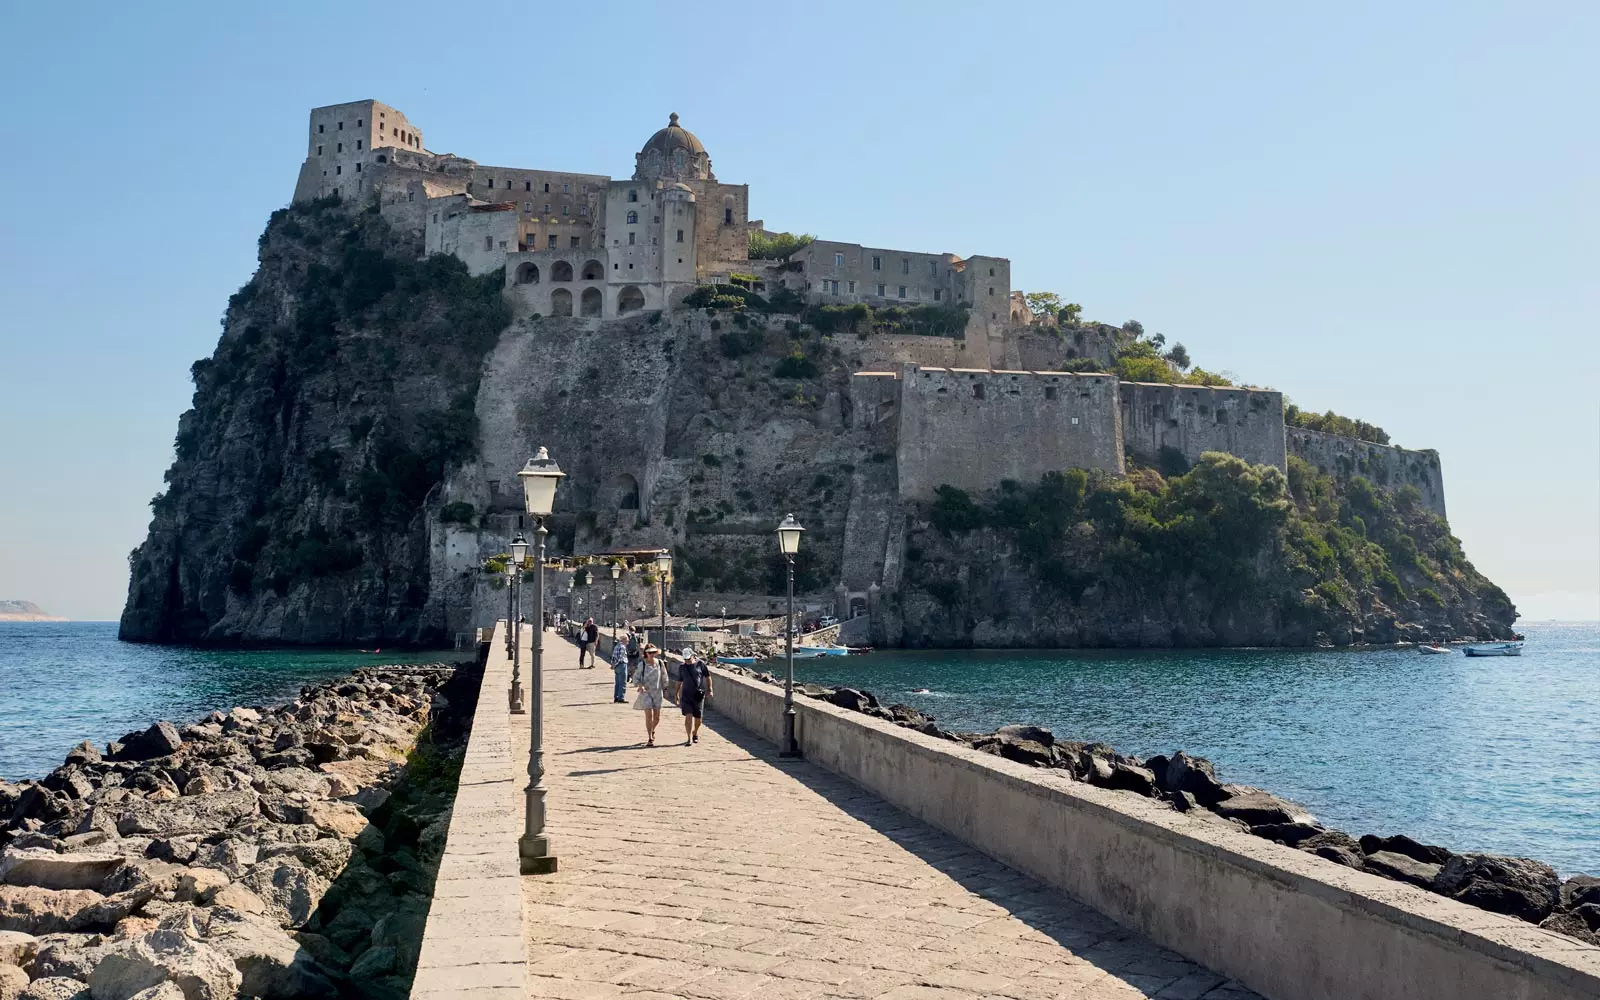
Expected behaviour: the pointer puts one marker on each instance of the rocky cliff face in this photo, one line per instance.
(341, 389)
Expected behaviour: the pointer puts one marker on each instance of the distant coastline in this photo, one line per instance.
(25, 611)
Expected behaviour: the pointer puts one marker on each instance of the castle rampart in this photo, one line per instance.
(1194, 419)
(1385, 465)
(973, 428)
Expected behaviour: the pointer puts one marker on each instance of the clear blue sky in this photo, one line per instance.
(1385, 209)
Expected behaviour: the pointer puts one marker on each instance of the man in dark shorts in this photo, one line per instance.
(588, 636)
(694, 687)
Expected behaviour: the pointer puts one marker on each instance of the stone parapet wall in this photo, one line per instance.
(1385, 465)
(1282, 922)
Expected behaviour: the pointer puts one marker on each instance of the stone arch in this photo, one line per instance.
(527, 273)
(561, 302)
(561, 270)
(593, 270)
(590, 302)
(858, 606)
(624, 491)
(630, 299)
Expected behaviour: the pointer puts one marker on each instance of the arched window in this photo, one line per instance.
(527, 274)
(589, 302)
(679, 160)
(562, 271)
(593, 271)
(630, 299)
(633, 218)
(561, 302)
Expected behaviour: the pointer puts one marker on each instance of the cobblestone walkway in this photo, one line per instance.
(716, 871)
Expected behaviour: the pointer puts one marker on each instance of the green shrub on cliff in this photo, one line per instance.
(1333, 423)
(777, 246)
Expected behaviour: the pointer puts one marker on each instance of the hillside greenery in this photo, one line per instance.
(777, 246)
(1321, 548)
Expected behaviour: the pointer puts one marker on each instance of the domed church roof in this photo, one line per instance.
(673, 137)
(673, 152)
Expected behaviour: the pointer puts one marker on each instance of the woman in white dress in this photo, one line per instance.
(651, 679)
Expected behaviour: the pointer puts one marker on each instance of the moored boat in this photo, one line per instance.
(1495, 649)
(1427, 648)
(743, 661)
(821, 650)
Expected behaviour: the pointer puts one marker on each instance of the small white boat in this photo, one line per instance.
(1427, 648)
(822, 650)
(1495, 649)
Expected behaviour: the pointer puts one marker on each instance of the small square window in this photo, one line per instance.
(902, 291)
(566, 189)
(358, 168)
(631, 241)
(319, 150)
(877, 263)
(488, 242)
(1050, 393)
(937, 294)
(338, 147)
(577, 241)
(555, 241)
(838, 261)
(905, 266)
(1074, 421)
(358, 123)
(852, 288)
(880, 288)
(341, 126)
(527, 185)
(680, 240)
(338, 170)
(321, 129)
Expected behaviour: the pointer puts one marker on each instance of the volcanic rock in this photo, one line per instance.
(1402, 868)
(200, 971)
(49, 870)
(56, 988)
(1256, 808)
(1519, 887)
(1400, 844)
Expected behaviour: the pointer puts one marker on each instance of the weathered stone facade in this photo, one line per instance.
(1385, 465)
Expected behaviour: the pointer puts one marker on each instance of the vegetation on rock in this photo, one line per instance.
(777, 246)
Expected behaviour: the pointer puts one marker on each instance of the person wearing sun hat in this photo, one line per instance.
(651, 680)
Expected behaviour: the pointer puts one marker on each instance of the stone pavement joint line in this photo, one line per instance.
(715, 872)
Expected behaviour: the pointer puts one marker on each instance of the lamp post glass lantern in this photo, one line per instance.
(789, 544)
(539, 480)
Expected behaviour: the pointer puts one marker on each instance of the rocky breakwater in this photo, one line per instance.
(1518, 887)
(272, 853)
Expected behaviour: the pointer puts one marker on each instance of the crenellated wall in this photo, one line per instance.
(1196, 419)
(1385, 465)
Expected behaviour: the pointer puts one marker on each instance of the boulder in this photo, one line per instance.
(141, 872)
(190, 814)
(1331, 838)
(1124, 777)
(1025, 751)
(1402, 868)
(48, 911)
(340, 785)
(1401, 844)
(1572, 925)
(1579, 889)
(237, 897)
(200, 971)
(850, 698)
(1340, 855)
(1518, 887)
(160, 991)
(905, 715)
(13, 981)
(200, 883)
(296, 779)
(160, 740)
(1256, 808)
(1590, 912)
(231, 857)
(68, 956)
(17, 948)
(375, 961)
(271, 964)
(1291, 834)
(327, 857)
(338, 818)
(56, 988)
(1184, 801)
(1194, 775)
(290, 890)
(84, 753)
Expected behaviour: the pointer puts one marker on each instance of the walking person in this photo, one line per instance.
(694, 687)
(588, 641)
(635, 651)
(650, 679)
(619, 671)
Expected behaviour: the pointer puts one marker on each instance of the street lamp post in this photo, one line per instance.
(663, 567)
(616, 607)
(519, 553)
(789, 543)
(539, 478)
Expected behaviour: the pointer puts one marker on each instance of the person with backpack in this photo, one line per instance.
(634, 652)
(619, 671)
(694, 687)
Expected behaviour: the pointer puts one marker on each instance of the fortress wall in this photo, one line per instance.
(890, 351)
(1197, 419)
(971, 429)
(1385, 465)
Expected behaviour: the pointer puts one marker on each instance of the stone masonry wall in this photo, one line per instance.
(971, 429)
(1385, 465)
(1197, 419)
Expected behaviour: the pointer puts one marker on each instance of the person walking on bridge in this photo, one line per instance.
(694, 687)
(651, 681)
(619, 671)
(588, 639)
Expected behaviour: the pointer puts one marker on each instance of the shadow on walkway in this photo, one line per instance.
(1089, 935)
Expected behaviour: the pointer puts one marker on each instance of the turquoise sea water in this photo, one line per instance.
(63, 682)
(1494, 754)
